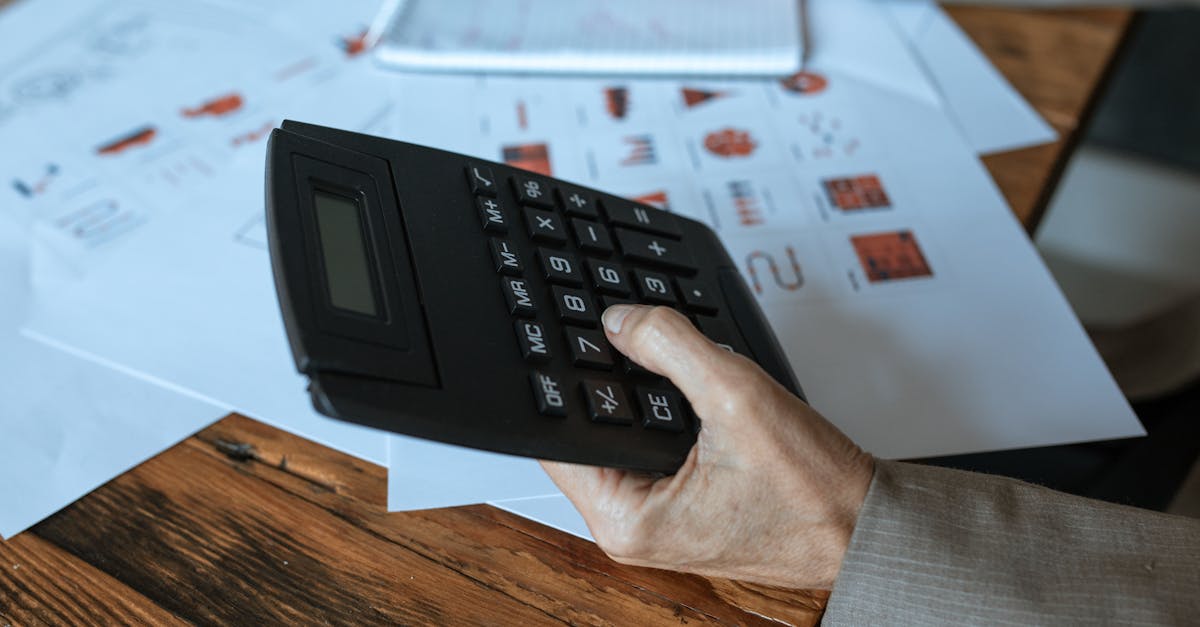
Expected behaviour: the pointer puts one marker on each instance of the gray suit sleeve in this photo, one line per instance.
(939, 546)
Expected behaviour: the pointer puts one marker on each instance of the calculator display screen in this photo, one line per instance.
(344, 249)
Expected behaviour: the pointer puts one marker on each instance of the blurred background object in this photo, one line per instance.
(1122, 238)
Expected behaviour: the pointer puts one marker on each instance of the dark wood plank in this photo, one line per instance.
(533, 563)
(1058, 60)
(214, 545)
(40, 584)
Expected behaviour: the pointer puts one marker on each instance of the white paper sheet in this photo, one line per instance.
(990, 113)
(188, 196)
(974, 350)
(68, 425)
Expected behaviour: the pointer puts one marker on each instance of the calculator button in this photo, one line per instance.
(505, 258)
(589, 349)
(575, 306)
(609, 301)
(545, 226)
(548, 392)
(481, 179)
(516, 294)
(592, 236)
(653, 249)
(533, 191)
(532, 337)
(491, 214)
(606, 402)
(560, 268)
(636, 216)
(697, 296)
(654, 287)
(724, 334)
(608, 277)
(661, 409)
(578, 202)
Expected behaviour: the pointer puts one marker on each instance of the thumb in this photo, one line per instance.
(663, 341)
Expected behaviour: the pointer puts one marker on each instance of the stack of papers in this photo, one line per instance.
(914, 309)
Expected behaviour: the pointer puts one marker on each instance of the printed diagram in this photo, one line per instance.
(826, 137)
(745, 203)
(217, 107)
(730, 143)
(856, 193)
(641, 150)
(532, 157)
(49, 85)
(805, 83)
(616, 102)
(890, 256)
(693, 97)
(789, 278)
(37, 186)
(137, 138)
(98, 222)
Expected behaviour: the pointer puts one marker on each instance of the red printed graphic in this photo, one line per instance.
(858, 192)
(890, 256)
(789, 282)
(616, 102)
(730, 142)
(217, 107)
(807, 83)
(253, 136)
(641, 150)
(696, 97)
(532, 157)
(139, 137)
(657, 199)
(354, 45)
(745, 202)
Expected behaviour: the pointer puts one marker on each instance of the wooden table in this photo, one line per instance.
(244, 523)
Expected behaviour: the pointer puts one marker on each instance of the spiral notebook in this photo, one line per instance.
(639, 37)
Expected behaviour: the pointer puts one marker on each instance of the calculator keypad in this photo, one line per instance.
(587, 254)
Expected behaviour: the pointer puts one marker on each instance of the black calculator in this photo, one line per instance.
(442, 296)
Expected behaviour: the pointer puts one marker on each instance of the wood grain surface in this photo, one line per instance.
(243, 523)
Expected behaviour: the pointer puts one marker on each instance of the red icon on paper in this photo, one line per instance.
(891, 256)
(807, 83)
(217, 107)
(657, 199)
(532, 157)
(857, 192)
(354, 45)
(696, 97)
(788, 282)
(730, 142)
(616, 102)
(139, 137)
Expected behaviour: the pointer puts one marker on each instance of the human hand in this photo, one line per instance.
(769, 494)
